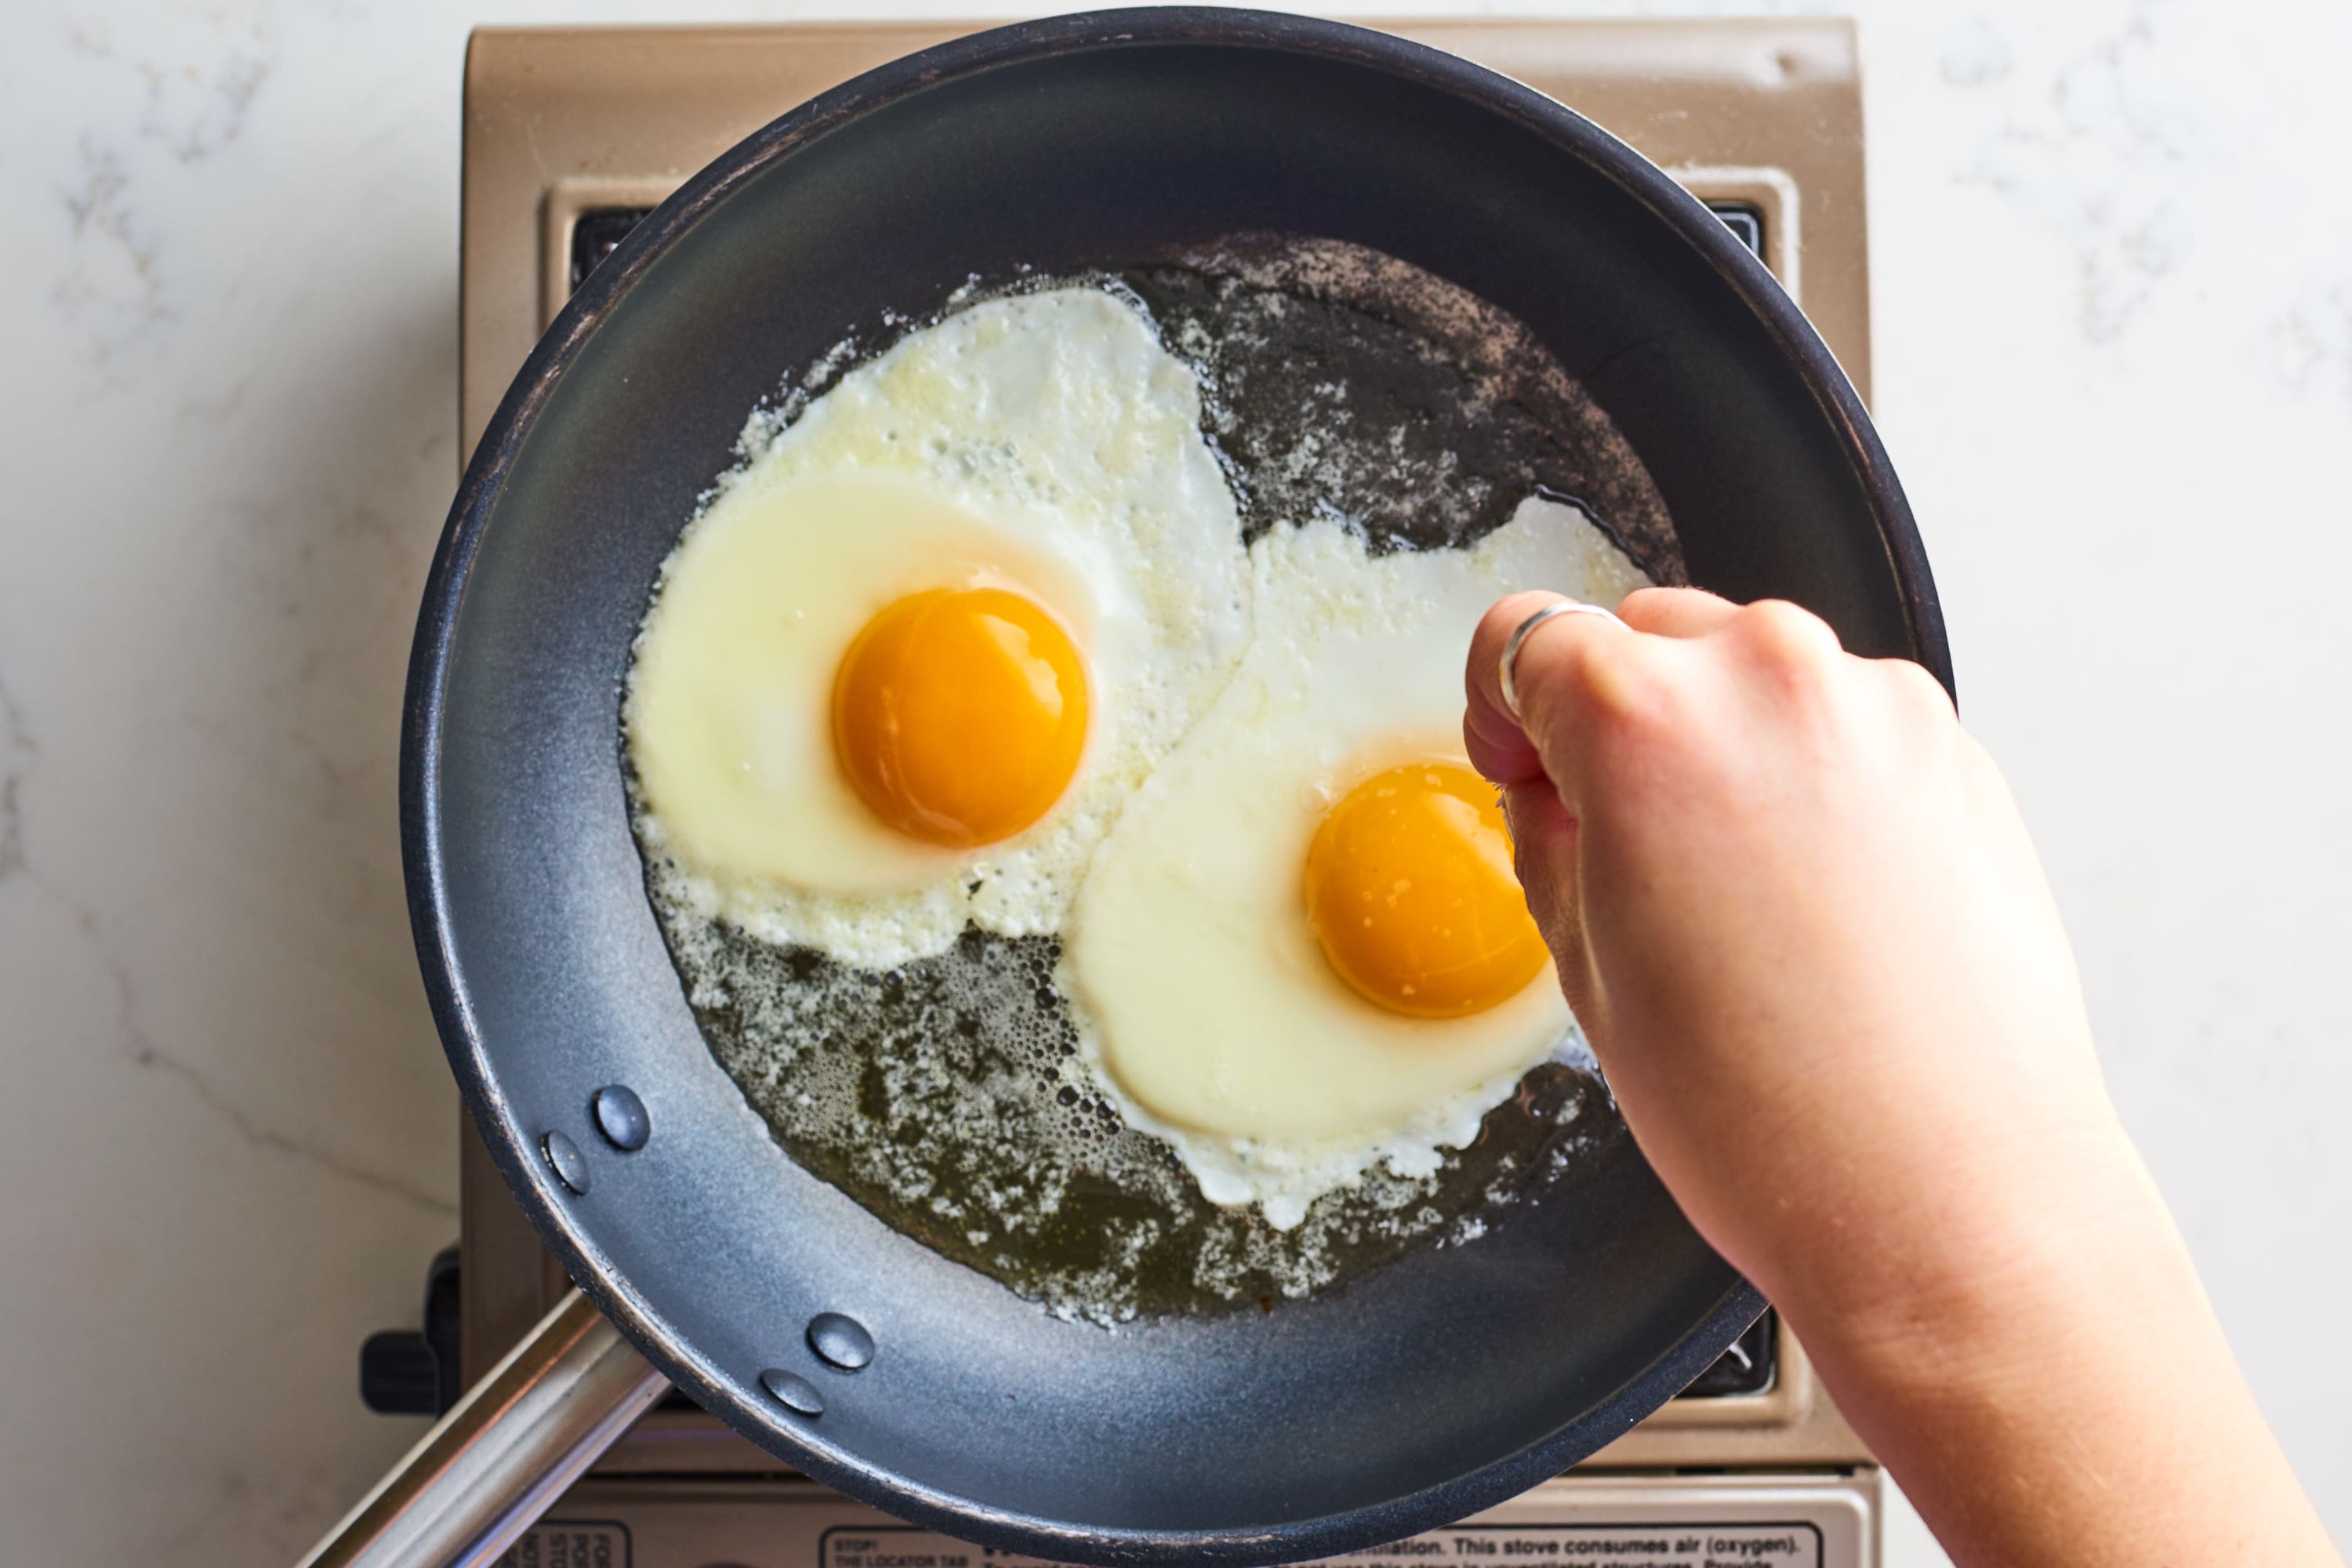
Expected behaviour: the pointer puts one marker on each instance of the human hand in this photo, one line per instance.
(1797, 913)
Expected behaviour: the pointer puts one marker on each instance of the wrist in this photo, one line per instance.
(2065, 1255)
(2018, 1399)
(2072, 1274)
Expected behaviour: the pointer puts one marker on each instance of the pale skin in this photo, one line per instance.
(1798, 915)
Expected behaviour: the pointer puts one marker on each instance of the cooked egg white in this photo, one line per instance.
(1045, 447)
(1210, 1005)
(973, 641)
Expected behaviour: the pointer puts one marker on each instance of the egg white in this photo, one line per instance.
(1206, 1005)
(1046, 443)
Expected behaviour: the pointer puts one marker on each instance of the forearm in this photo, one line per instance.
(2072, 1402)
(1801, 922)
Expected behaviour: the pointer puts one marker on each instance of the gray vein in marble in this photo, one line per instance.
(18, 751)
(2311, 343)
(115, 280)
(224, 99)
(2092, 154)
(1977, 55)
(146, 1052)
(115, 276)
(210, 408)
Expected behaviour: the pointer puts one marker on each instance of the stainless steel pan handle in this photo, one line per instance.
(504, 1453)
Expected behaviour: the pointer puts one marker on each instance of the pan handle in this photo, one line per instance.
(504, 1453)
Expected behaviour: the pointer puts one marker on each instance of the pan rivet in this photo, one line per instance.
(621, 1117)
(563, 1157)
(842, 1341)
(793, 1391)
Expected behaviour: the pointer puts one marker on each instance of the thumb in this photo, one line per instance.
(1544, 853)
(1563, 664)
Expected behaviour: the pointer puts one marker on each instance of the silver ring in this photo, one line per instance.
(1527, 628)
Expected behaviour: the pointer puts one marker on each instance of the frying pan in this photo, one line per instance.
(1432, 1388)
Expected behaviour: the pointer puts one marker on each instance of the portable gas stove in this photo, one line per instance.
(572, 135)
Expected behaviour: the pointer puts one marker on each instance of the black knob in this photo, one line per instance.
(416, 1372)
(399, 1374)
(1749, 1366)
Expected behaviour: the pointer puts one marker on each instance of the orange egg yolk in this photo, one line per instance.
(959, 714)
(1411, 892)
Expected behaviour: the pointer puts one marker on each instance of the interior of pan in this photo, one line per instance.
(1427, 1389)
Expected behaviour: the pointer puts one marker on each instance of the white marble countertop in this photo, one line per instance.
(2113, 268)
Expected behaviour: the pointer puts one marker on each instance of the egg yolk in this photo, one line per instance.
(959, 714)
(1410, 890)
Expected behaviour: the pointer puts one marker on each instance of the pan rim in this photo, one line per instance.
(483, 484)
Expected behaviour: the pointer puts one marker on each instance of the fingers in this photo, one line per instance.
(1543, 830)
(1597, 696)
(1498, 746)
(1566, 668)
(1676, 611)
(1543, 852)
(1914, 684)
(1773, 634)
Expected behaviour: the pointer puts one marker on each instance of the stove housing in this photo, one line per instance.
(572, 135)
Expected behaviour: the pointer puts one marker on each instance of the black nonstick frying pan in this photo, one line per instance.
(1434, 1386)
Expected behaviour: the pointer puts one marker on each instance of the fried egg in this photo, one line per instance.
(1301, 950)
(904, 668)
